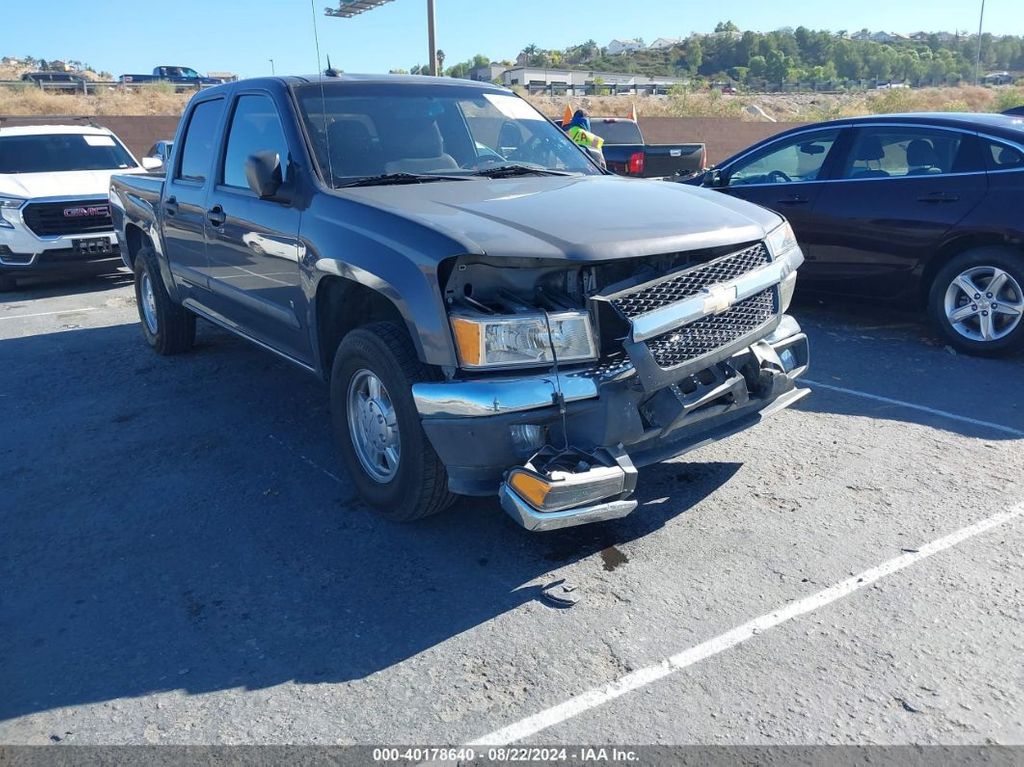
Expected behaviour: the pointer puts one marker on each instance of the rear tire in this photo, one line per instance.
(977, 302)
(168, 327)
(382, 443)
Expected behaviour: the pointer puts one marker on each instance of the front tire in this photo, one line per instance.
(382, 443)
(977, 302)
(168, 327)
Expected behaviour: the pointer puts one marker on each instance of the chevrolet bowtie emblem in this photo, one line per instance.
(718, 298)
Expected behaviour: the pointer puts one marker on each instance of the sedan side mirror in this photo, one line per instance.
(263, 172)
(713, 178)
(597, 156)
(152, 163)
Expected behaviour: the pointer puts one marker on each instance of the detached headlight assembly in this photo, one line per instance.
(522, 340)
(781, 243)
(7, 207)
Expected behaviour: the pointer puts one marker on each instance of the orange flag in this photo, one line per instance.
(567, 115)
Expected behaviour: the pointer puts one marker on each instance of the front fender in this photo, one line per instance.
(390, 255)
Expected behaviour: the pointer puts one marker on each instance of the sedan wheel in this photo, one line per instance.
(977, 301)
(984, 303)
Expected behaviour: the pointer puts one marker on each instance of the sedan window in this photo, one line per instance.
(895, 152)
(798, 158)
(1002, 156)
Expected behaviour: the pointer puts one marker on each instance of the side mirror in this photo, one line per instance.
(152, 163)
(263, 172)
(597, 156)
(713, 178)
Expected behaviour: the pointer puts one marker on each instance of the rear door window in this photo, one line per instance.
(200, 144)
(885, 152)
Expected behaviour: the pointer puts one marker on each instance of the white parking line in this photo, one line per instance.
(645, 676)
(47, 314)
(912, 406)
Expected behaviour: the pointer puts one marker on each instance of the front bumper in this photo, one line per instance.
(481, 428)
(22, 252)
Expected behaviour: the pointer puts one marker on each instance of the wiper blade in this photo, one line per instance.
(385, 179)
(517, 169)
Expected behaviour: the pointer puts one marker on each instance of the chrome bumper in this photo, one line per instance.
(542, 521)
(497, 396)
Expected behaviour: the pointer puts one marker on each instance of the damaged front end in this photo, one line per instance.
(571, 376)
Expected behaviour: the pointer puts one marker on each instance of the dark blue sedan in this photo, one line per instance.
(923, 210)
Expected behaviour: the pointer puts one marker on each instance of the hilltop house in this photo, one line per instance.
(624, 46)
(663, 43)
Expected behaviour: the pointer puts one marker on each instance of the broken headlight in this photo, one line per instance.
(523, 340)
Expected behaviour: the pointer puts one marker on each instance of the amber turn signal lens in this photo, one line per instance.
(468, 340)
(530, 488)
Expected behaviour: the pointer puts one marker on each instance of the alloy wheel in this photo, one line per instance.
(984, 303)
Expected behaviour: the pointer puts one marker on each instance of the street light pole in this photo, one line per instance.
(272, 72)
(977, 65)
(430, 37)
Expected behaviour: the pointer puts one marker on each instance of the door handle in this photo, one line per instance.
(939, 197)
(216, 215)
(794, 200)
(171, 206)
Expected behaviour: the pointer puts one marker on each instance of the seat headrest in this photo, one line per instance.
(419, 139)
(920, 152)
(869, 148)
(348, 135)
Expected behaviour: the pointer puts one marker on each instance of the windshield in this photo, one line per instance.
(62, 152)
(362, 130)
(617, 131)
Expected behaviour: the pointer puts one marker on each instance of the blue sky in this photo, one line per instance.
(241, 35)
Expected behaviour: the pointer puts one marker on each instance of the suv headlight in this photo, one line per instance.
(781, 244)
(522, 340)
(7, 207)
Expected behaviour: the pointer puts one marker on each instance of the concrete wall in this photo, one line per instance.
(723, 137)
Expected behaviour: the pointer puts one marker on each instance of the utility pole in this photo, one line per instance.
(432, 43)
(272, 72)
(977, 65)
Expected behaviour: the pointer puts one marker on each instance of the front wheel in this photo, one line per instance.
(382, 443)
(977, 301)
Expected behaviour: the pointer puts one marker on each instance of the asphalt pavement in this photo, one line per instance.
(183, 560)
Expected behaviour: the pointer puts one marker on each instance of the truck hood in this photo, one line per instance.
(76, 183)
(579, 218)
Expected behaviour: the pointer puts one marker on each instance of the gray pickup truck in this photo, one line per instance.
(492, 312)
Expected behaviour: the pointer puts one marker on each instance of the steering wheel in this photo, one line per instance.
(777, 176)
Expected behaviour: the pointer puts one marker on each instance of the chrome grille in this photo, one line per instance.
(709, 334)
(690, 281)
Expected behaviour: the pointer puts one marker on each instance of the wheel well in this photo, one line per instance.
(960, 245)
(135, 240)
(343, 305)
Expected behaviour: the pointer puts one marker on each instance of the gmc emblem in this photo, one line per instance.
(95, 210)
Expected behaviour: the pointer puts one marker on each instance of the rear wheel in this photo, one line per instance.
(977, 301)
(382, 443)
(167, 326)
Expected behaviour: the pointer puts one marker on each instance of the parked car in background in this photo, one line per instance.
(61, 80)
(922, 210)
(176, 75)
(54, 211)
(494, 314)
(161, 151)
(627, 154)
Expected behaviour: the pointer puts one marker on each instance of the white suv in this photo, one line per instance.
(54, 209)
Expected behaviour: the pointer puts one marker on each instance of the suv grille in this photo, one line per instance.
(709, 334)
(690, 281)
(48, 219)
